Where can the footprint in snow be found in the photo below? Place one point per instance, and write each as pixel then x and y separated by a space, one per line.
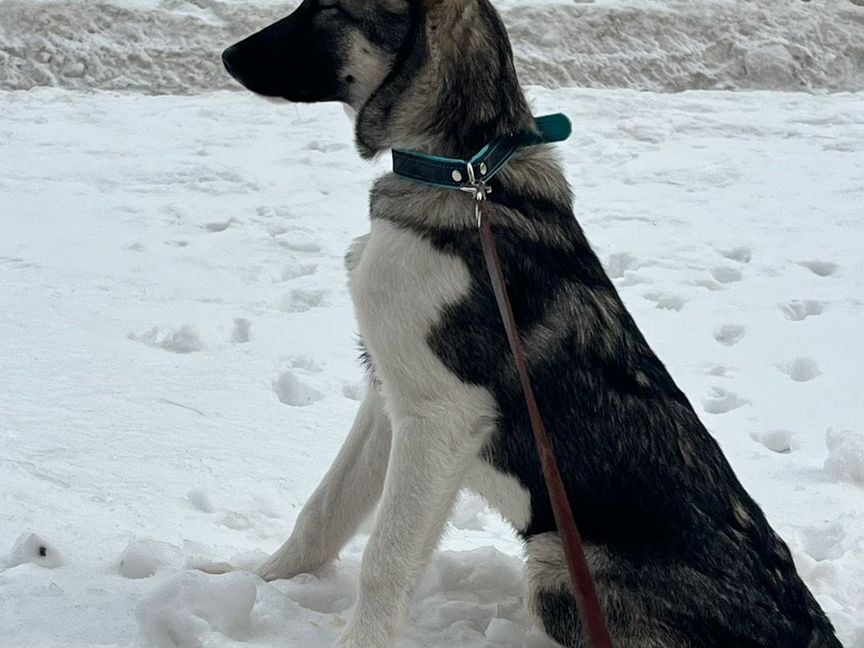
pixel 219 226
pixel 300 245
pixel 726 274
pixel 666 302
pixel 796 310
pixel 296 270
pixel 18 263
pixel 820 268
pixel 708 283
pixel 780 441
pixel 200 500
pixel 742 254
pixel 305 362
pixel 274 212
pixel 143 558
pixel 800 369
pixel 324 147
pixel 822 543
pixel 291 391
pixel 185 339
pixel 618 264
pixel 300 301
pixel 277 229
pixel 242 331
pixel 729 334
pixel 236 521
pixel 720 401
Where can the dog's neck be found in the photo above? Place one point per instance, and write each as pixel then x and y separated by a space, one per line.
pixel 452 91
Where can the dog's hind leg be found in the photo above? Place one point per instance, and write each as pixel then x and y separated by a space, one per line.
pixel 553 603
pixel 429 461
pixel 346 495
pixel 650 603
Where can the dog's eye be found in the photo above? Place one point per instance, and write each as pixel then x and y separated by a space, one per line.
pixel 330 9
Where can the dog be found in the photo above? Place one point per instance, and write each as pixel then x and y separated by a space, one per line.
pixel 681 554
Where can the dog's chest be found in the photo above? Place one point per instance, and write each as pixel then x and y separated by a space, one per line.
pixel 400 285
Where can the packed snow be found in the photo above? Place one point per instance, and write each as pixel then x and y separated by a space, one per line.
pixel 174 387
pixel 178 352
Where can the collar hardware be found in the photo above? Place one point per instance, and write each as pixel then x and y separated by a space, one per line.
pixel 450 173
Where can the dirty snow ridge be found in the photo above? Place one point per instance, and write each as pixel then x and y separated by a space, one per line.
pixel 172 46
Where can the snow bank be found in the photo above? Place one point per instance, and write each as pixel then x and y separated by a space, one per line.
pixel 173 47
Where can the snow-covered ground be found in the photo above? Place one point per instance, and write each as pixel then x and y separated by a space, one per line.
pixel 178 355
pixel 177 346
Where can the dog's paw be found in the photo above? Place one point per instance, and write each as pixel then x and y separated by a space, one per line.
pixel 276 567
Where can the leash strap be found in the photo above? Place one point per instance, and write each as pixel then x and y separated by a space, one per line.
pixel 472 176
pixel 593 624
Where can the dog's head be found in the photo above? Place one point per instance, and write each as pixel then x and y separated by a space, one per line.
pixel 327 50
pixel 404 65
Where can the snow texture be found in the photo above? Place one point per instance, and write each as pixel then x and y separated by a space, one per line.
pixel 845 455
pixel 30 548
pixel 173 46
pixel 141 464
pixel 177 344
pixel 143 558
pixel 190 607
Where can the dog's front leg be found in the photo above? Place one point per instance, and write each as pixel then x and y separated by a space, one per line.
pixel 428 463
pixel 344 498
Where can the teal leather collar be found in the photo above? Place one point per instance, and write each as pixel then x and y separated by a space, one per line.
pixel 449 173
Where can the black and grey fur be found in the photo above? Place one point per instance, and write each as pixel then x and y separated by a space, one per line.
pixel 681 554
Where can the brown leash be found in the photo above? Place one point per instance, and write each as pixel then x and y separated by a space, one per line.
pixel 593 624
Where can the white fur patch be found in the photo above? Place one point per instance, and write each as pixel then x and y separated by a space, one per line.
pixel 502 492
pixel 400 285
pixel 547 565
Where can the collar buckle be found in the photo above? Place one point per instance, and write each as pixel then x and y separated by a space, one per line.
pixel 478 189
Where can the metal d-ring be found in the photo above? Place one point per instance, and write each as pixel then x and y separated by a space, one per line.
pixel 478 189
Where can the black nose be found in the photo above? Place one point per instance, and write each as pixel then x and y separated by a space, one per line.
pixel 229 58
